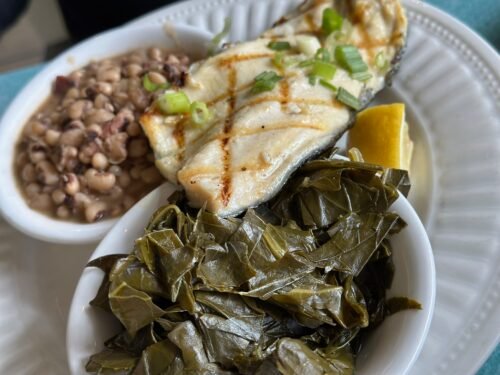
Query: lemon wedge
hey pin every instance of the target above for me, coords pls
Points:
(382, 135)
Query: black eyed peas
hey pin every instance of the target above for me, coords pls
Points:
(83, 155)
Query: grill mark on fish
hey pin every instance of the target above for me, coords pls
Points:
(180, 137)
(226, 95)
(285, 94)
(228, 126)
(243, 88)
(327, 103)
(229, 61)
(213, 170)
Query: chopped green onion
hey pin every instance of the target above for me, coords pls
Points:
(328, 85)
(313, 79)
(279, 45)
(324, 70)
(265, 81)
(332, 21)
(291, 60)
(308, 45)
(279, 60)
(217, 39)
(348, 99)
(150, 86)
(381, 62)
(323, 55)
(362, 76)
(350, 59)
(306, 63)
(174, 103)
(200, 113)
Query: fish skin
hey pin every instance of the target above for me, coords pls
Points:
(266, 136)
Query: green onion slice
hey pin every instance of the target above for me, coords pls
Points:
(323, 54)
(362, 76)
(150, 86)
(279, 60)
(313, 79)
(381, 62)
(279, 45)
(349, 58)
(200, 113)
(217, 39)
(332, 21)
(174, 103)
(306, 63)
(308, 44)
(348, 99)
(324, 70)
(328, 85)
(265, 81)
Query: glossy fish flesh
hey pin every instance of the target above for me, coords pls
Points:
(253, 142)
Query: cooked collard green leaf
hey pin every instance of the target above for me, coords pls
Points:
(290, 287)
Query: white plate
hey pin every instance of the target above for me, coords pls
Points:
(450, 81)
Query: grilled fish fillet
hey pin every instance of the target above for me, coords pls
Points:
(254, 142)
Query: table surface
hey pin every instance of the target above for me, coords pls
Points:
(480, 15)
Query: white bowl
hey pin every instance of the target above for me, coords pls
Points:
(12, 204)
(391, 349)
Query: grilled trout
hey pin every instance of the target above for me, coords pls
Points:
(255, 139)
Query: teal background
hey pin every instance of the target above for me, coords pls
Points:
(481, 15)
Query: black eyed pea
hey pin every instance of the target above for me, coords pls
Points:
(155, 53)
(72, 137)
(157, 78)
(81, 200)
(42, 202)
(115, 147)
(100, 181)
(63, 212)
(94, 131)
(70, 183)
(100, 101)
(99, 161)
(133, 70)
(52, 137)
(37, 128)
(78, 109)
(98, 116)
(46, 173)
(28, 173)
(95, 211)
(105, 88)
(58, 196)
(109, 74)
(36, 152)
(32, 189)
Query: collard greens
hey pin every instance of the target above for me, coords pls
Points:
(288, 288)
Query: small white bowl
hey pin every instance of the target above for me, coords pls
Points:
(391, 350)
(115, 42)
